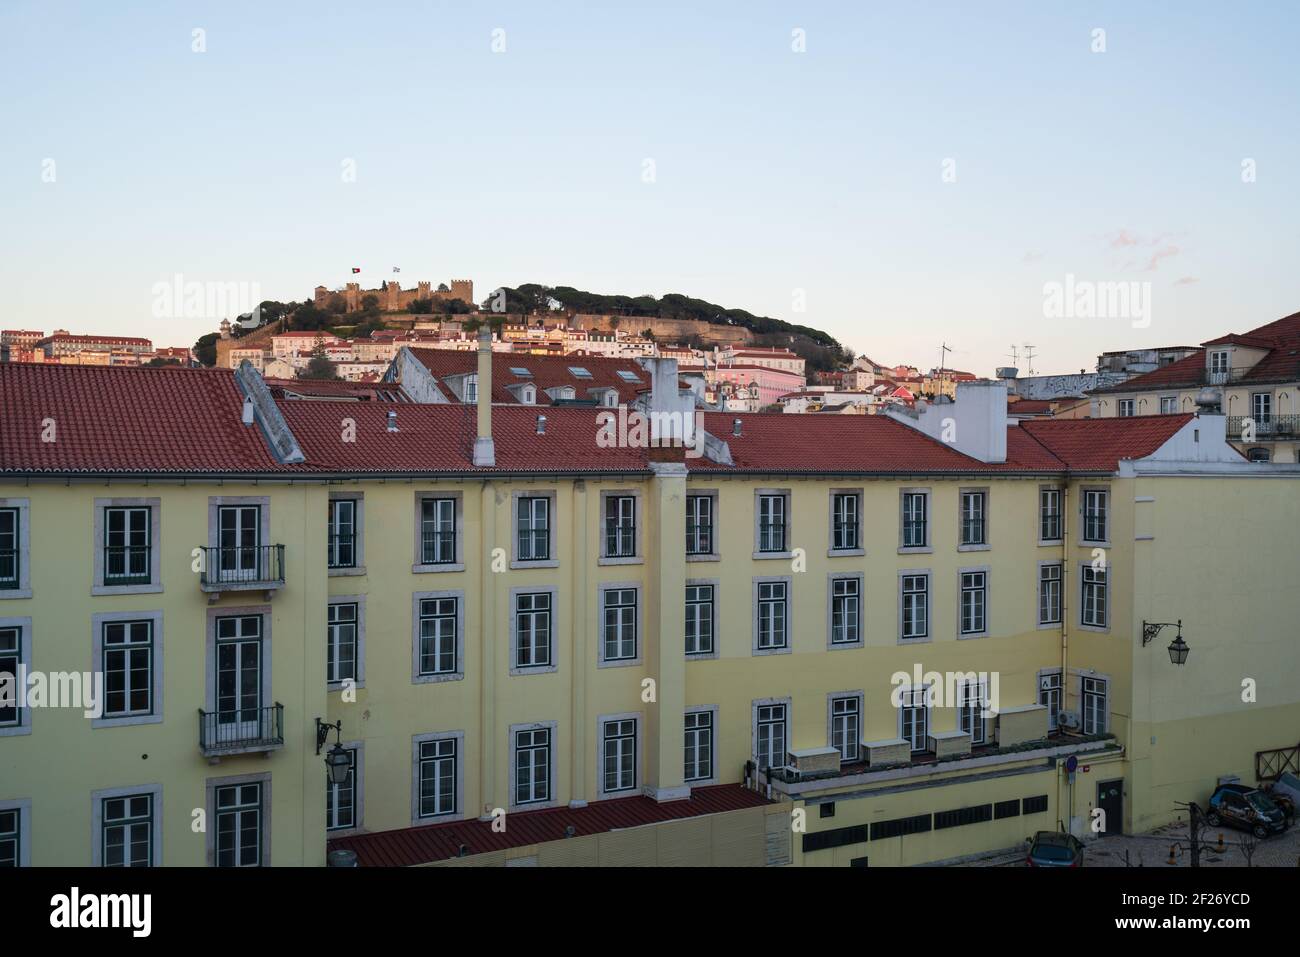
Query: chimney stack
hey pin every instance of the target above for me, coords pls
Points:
(248, 410)
(541, 425)
(485, 453)
(392, 420)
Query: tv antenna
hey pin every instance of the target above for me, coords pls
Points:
(943, 348)
(1029, 358)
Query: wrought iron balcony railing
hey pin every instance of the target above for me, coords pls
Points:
(9, 577)
(127, 565)
(242, 567)
(1268, 428)
(241, 730)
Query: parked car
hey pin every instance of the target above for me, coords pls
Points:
(1286, 792)
(1247, 808)
(1054, 849)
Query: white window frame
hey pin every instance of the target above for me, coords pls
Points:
(552, 793)
(926, 521)
(1086, 495)
(907, 702)
(833, 580)
(24, 508)
(856, 497)
(603, 661)
(903, 575)
(358, 566)
(756, 709)
(632, 718)
(623, 496)
(552, 664)
(978, 588)
(458, 742)
(975, 495)
(1168, 405)
(1059, 581)
(359, 651)
(713, 554)
(712, 777)
(457, 509)
(552, 559)
(1089, 694)
(458, 673)
(840, 706)
(97, 822)
(1087, 576)
(358, 751)
(972, 701)
(98, 665)
(759, 584)
(712, 603)
(1051, 686)
(1125, 408)
(23, 806)
(23, 626)
(154, 508)
(764, 498)
(212, 785)
(1043, 513)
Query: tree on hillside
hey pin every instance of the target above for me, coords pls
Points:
(205, 349)
(319, 365)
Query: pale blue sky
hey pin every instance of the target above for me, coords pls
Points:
(775, 171)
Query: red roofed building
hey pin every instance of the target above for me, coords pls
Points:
(408, 631)
(1253, 378)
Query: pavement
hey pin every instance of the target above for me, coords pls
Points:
(1152, 849)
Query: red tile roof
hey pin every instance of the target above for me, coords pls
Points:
(440, 438)
(1281, 364)
(439, 842)
(336, 389)
(174, 420)
(1088, 445)
(548, 372)
(126, 419)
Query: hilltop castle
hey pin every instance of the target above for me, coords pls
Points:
(393, 298)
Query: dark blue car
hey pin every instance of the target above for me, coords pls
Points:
(1247, 808)
(1054, 849)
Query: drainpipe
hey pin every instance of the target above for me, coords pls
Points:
(1065, 625)
(485, 453)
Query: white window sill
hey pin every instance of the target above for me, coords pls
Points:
(543, 563)
(778, 556)
(764, 652)
(434, 569)
(626, 560)
(974, 548)
(437, 679)
(711, 557)
(349, 572)
(915, 550)
(150, 589)
(845, 552)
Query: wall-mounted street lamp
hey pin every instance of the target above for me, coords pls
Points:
(338, 761)
(1178, 648)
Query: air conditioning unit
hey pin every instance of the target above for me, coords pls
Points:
(1068, 720)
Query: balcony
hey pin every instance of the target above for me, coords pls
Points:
(241, 731)
(242, 568)
(1271, 428)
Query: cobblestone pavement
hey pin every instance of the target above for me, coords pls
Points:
(1152, 850)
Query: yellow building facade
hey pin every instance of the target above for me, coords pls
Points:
(710, 643)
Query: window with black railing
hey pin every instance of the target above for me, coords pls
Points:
(9, 543)
(972, 518)
(699, 525)
(533, 529)
(1246, 428)
(844, 520)
(914, 520)
(127, 546)
(771, 523)
(342, 540)
(1049, 515)
(620, 526)
(438, 531)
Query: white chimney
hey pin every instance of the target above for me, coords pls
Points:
(485, 451)
(975, 423)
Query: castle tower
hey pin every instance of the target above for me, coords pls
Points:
(463, 289)
(352, 296)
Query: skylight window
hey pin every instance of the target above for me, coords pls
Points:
(520, 371)
(579, 372)
(628, 376)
